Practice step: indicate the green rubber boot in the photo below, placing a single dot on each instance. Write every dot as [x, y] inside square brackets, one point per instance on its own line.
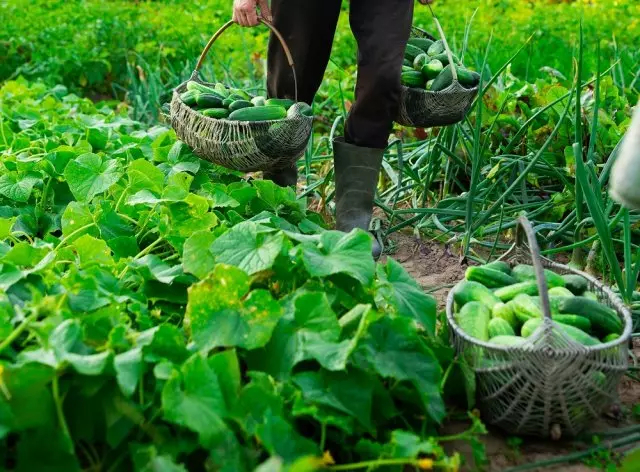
[356, 172]
[287, 177]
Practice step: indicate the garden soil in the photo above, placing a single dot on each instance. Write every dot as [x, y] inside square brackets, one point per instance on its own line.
[437, 268]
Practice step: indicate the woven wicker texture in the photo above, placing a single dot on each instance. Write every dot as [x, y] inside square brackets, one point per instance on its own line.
[245, 146]
[421, 108]
[549, 385]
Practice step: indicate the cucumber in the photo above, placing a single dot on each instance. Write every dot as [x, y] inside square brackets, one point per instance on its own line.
[505, 312]
[432, 69]
[420, 61]
[215, 112]
[474, 320]
[505, 340]
[258, 101]
[576, 321]
[239, 104]
[488, 277]
[436, 48]
[422, 43]
[502, 266]
[263, 113]
[603, 318]
[428, 85]
[241, 94]
[610, 337]
[444, 58]
[208, 100]
[466, 291]
[467, 78]
[444, 79]
[560, 292]
[572, 332]
[188, 98]
[412, 51]
[301, 109]
[222, 90]
[525, 272]
[576, 283]
[412, 79]
[283, 102]
[525, 308]
[407, 68]
[511, 291]
[198, 87]
[499, 327]
[228, 101]
[590, 295]
[407, 63]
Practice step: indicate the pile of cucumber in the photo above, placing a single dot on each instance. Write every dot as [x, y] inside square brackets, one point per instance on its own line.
[234, 104]
[501, 305]
[426, 66]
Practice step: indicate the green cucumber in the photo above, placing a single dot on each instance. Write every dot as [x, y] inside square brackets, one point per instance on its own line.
[428, 85]
[572, 332]
[502, 266]
[511, 291]
[422, 43]
[432, 69]
[208, 100]
[473, 319]
[412, 78]
[499, 327]
[590, 295]
[198, 87]
[444, 58]
[406, 68]
[466, 291]
[215, 112]
[241, 94]
[264, 113]
[576, 321]
[576, 283]
[525, 307]
[506, 340]
[525, 272]
[228, 101]
[505, 311]
[488, 277]
[299, 108]
[602, 317]
[283, 102]
[436, 48]
[560, 292]
[188, 98]
[420, 61]
[610, 337]
[222, 90]
[407, 63]
[259, 101]
[412, 51]
[239, 104]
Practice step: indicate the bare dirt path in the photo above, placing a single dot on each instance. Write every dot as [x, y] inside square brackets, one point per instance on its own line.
[435, 266]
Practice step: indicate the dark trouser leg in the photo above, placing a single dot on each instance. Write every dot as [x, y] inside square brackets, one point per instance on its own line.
[308, 27]
[382, 30]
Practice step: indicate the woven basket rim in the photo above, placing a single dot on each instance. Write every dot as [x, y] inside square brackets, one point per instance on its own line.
[621, 310]
[450, 90]
[176, 96]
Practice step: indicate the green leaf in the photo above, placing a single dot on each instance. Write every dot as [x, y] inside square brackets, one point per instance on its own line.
[92, 364]
[45, 450]
[5, 227]
[218, 194]
[222, 312]
[279, 438]
[397, 291]
[227, 368]
[249, 246]
[15, 188]
[89, 175]
[404, 444]
[350, 393]
[153, 268]
[143, 175]
[76, 216]
[9, 275]
[163, 342]
[393, 348]
[340, 253]
[129, 368]
[197, 258]
[92, 251]
[193, 398]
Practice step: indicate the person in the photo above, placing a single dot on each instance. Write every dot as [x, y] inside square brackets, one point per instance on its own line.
[624, 183]
[381, 29]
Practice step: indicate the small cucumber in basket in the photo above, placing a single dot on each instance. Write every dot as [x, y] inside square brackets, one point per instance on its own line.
[505, 311]
[489, 277]
[500, 327]
[422, 43]
[432, 69]
[436, 48]
[525, 307]
[420, 61]
[411, 52]
[259, 101]
[215, 112]
[574, 333]
[474, 320]
[264, 113]
[188, 98]
[238, 104]
[502, 266]
[525, 272]
[602, 317]
[467, 291]
[507, 340]
[576, 283]
[198, 87]
[208, 100]
[412, 78]
[283, 102]
[511, 291]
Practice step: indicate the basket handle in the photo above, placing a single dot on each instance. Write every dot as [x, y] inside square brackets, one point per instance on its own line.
[454, 72]
[283, 43]
[524, 226]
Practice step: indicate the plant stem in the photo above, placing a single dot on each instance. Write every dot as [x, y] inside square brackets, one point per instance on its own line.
[18, 331]
[58, 401]
[374, 463]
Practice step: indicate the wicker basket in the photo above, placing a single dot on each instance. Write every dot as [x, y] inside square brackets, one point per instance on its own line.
[421, 108]
[241, 145]
[550, 385]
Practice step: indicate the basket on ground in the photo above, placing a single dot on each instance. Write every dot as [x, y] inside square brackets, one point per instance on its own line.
[241, 145]
[420, 108]
[549, 385]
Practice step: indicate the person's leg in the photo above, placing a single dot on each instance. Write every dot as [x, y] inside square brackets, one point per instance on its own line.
[382, 30]
[308, 27]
